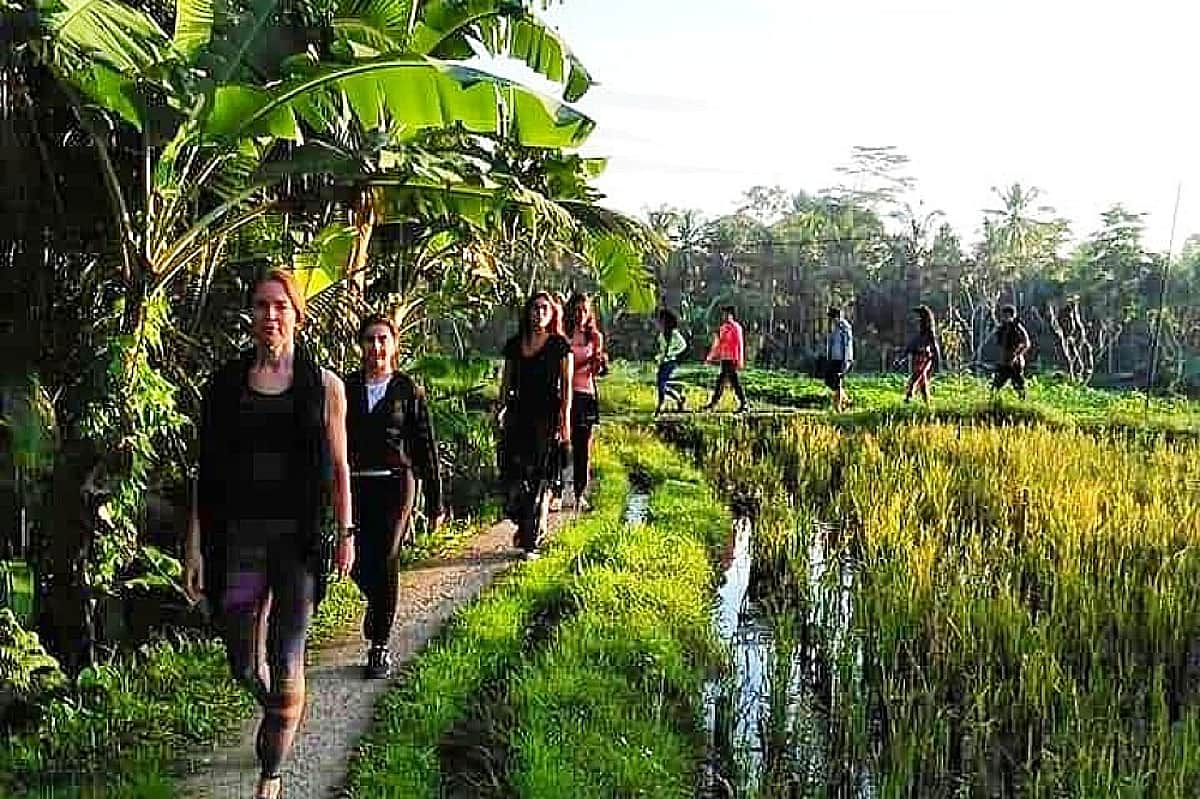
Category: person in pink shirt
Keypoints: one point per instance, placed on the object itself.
(729, 350)
(590, 361)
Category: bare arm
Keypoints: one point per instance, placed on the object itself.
(1023, 342)
(601, 354)
(564, 413)
(335, 433)
(193, 560)
(506, 381)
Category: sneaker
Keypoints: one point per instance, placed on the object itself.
(581, 504)
(532, 554)
(379, 662)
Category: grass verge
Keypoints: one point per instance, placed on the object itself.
(611, 706)
(480, 648)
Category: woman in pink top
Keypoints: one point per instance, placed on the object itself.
(728, 349)
(590, 359)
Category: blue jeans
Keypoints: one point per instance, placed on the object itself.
(665, 370)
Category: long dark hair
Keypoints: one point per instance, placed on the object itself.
(925, 320)
(670, 321)
(591, 326)
(555, 325)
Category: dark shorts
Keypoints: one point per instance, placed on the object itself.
(835, 373)
(585, 410)
(1006, 372)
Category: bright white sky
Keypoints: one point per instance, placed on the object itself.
(1090, 101)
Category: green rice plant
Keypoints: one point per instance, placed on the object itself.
(1021, 604)
(480, 648)
(878, 400)
(610, 707)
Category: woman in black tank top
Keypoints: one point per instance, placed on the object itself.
(536, 406)
(272, 428)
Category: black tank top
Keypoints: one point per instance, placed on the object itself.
(267, 456)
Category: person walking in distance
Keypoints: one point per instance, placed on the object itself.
(1013, 339)
(671, 344)
(839, 356)
(589, 361)
(272, 426)
(535, 392)
(391, 446)
(729, 350)
(924, 354)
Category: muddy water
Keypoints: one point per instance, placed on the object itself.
(768, 718)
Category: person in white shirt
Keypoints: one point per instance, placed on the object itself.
(839, 355)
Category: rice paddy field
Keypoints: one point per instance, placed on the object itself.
(963, 610)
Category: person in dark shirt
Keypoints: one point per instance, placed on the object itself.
(535, 396)
(924, 354)
(272, 428)
(1013, 339)
(391, 445)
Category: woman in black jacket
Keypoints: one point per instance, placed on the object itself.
(391, 446)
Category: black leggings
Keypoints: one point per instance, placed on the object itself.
(265, 610)
(728, 374)
(585, 413)
(531, 455)
(384, 506)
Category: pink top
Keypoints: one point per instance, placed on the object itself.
(729, 345)
(584, 379)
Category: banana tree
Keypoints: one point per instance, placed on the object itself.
(221, 112)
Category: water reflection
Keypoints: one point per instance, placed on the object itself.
(774, 719)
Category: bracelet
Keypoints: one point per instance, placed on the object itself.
(347, 532)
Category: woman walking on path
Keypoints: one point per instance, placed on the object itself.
(535, 396)
(925, 354)
(728, 349)
(391, 445)
(589, 361)
(671, 344)
(272, 425)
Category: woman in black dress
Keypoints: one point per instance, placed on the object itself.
(535, 396)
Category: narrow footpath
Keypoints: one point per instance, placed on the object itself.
(340, 701)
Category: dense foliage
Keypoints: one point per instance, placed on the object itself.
(1089, 293)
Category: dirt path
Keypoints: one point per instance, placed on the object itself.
(340, 701)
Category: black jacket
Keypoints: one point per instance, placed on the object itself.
(396, 434)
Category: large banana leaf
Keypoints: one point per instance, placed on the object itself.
(454, 29)
(620, 270)
(505, 28)
(83, 31)
(193, 26)
(413, 92)
(373, 27)
(103, 48)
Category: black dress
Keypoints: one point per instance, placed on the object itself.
(529, 451)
